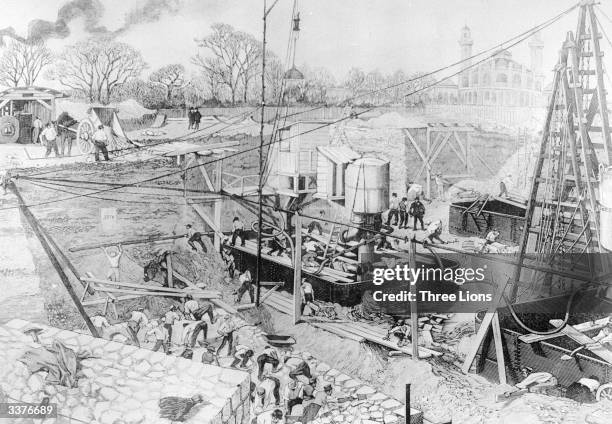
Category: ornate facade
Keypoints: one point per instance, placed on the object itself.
(500, 80)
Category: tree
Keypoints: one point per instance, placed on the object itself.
(224, 65)
(22, 63)
(170, 76)
(232, 59)
(355, 80)
(250, 55)
(96, 67)
(373, 83)
(316, 83)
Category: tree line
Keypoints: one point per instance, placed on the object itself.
(228, 64)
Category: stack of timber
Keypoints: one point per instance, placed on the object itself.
(357, 331)
(117, 287)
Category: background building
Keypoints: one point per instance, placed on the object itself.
(500, 80)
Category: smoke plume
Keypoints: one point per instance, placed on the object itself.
(91, 11)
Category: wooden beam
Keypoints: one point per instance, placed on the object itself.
(96, 302)
(436, 152)
(482, 330)
(153, 288)
(38, 230)
(150, 239)
(202, 213)
(47, 106)
(197, 295)
(414, 316)
(297, 270)
(499, 349)
(169, 269)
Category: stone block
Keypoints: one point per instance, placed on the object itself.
(341, 378)
(109, 393)
(322, 368)
(142, 367)
(377, 397)
(390, 404)
(352, 383)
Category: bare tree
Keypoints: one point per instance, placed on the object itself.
(171, 77)
(224, 65)
(97, 67)
(355, 80)
(11, 68)
(22, 63)
(249, 60)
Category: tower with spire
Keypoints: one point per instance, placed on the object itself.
(536, 47)
(466, 44)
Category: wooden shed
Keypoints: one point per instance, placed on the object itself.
(478, 217)
(293, 158)
(25, 104)
(331, 170)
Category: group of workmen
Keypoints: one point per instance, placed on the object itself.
(58, 139)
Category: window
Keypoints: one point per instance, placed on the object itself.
(285, 141)
(502, 78)
(474, 78)
(486, 79)
(516, 81)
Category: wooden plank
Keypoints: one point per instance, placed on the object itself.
(414, 317)
(482, 330)
(225, 306)
(157, 293)
(169, 270)
(499, 349)
(147, 287)
(151, 239)
(40, 233)
(583, 339)
(338, 331)
(95, 302)
(202, 213)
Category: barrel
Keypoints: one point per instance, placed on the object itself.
(367, 186)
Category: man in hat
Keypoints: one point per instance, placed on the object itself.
(190, 118)
(171, 317)
(489, 239)
(320, 400)
(504, 186)
(307, 293)
(237, 231)
(161, 335)
(138, 319)
(230, 263)
(37, 126)
(246, 285)
(100, 141)
(49, 134)
(194, 237)
(113, 254)
(226, 330)
(393, 210)
(434, 230)
(417, 211)
(242, 357)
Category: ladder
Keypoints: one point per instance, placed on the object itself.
(333, 238)
(562, 220)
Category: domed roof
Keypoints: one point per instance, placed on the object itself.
(293, 74)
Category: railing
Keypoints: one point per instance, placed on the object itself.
(232, 181)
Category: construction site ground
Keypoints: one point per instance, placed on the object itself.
(439, 388)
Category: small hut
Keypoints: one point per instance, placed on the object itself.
(19, 106)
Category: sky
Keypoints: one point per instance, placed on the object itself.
(413, 35)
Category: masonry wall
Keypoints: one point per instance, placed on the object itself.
(120, 383)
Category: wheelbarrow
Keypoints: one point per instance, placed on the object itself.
(280, 341)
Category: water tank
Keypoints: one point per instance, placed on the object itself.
(367, 186)
(605, 214)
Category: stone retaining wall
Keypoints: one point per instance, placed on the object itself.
(121, 384)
